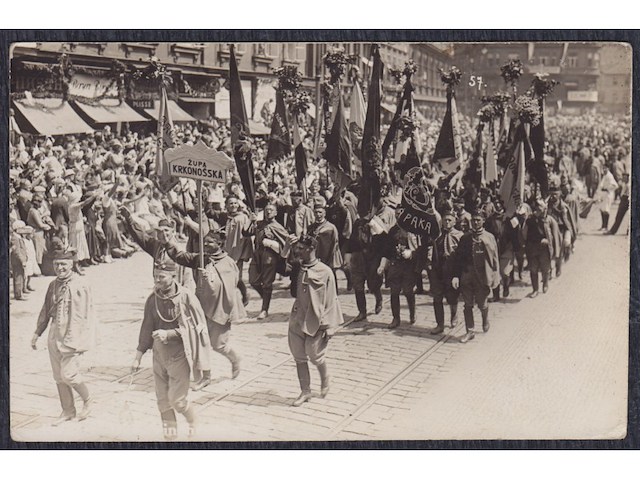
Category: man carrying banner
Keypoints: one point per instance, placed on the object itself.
(216, 288)
(476, 272)
(398, 261)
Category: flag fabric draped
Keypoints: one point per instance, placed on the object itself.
(357, 115)
(474, 173)
(537, 167)
(279, 140)
(506, 142)
(491, 167)
(370, 151)
(164, 180)
(338, 151)
(299, 154)
(240, 132)
(448, 152)
(512, 186)
(405, 103)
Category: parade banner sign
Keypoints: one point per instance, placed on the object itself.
(198, 162)
(416, 213)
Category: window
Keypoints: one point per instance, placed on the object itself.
(572, 62)
(544, 61)
(513, 56)
(294, 52)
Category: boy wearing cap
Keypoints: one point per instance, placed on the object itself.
(174, 326)
(539, 244)
(315, 316)
(68, 312)
(475, 269)
(216, 288)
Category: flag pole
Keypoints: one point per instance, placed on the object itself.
(201, 222)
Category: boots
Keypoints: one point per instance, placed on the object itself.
(496, 294)
(378, 295)
(395, 310)
(534, 284)
(304, 377)
(469, 323)
(411, 301)
(505, 286)
(266, 298)
(361, 302)
(83, 391)
(243, 291)
(605, 221)
(66, 401)
(485, 319)
(324, 379)
(204, 381)
(438, 309)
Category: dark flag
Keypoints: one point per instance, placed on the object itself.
(299, 153)
(512, 186)
(474, 172)
(163, 179)
(279, 141)
(403, 104)
(370, 155)
(537, 167)
(240, 137)
(448, 152)
(338, 151)
(506, 143)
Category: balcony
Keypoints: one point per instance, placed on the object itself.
(190, 52)
(87, 47)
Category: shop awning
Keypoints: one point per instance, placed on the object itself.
(256, 128)
(51, 116)
(110, 111)
(177, 114)
(197, 100)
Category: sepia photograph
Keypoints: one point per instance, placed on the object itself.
(301, 241)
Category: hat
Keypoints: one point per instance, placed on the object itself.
(68, 172)
(62, 254)
(39, 189)
(58, 181)
(18, 224)
(166, 222)
(165, 265)
(37, 197)
(297, 194)
(477, 212)
(25, 230)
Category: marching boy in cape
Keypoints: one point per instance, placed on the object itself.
(174, 326)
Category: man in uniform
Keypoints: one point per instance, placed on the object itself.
(441, 271)
(68, 312)
(476, 272)
(539, 243)
(216, 288)
(174, 326)
(315, 316)
(236, 244)
(326, 233)
(398, 259)
(270, 239)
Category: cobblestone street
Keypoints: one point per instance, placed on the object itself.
(554, 366)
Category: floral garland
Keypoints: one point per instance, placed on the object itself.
(299, 104)
(289, 79)
(542, 85)
(487, 112)
(336, 62)
(155, 71)
(528, 109)
(451, 77)
(406, 126)
(499, 100)
(512, 71)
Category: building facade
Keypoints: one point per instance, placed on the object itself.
(576, 65)
(614, 84)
